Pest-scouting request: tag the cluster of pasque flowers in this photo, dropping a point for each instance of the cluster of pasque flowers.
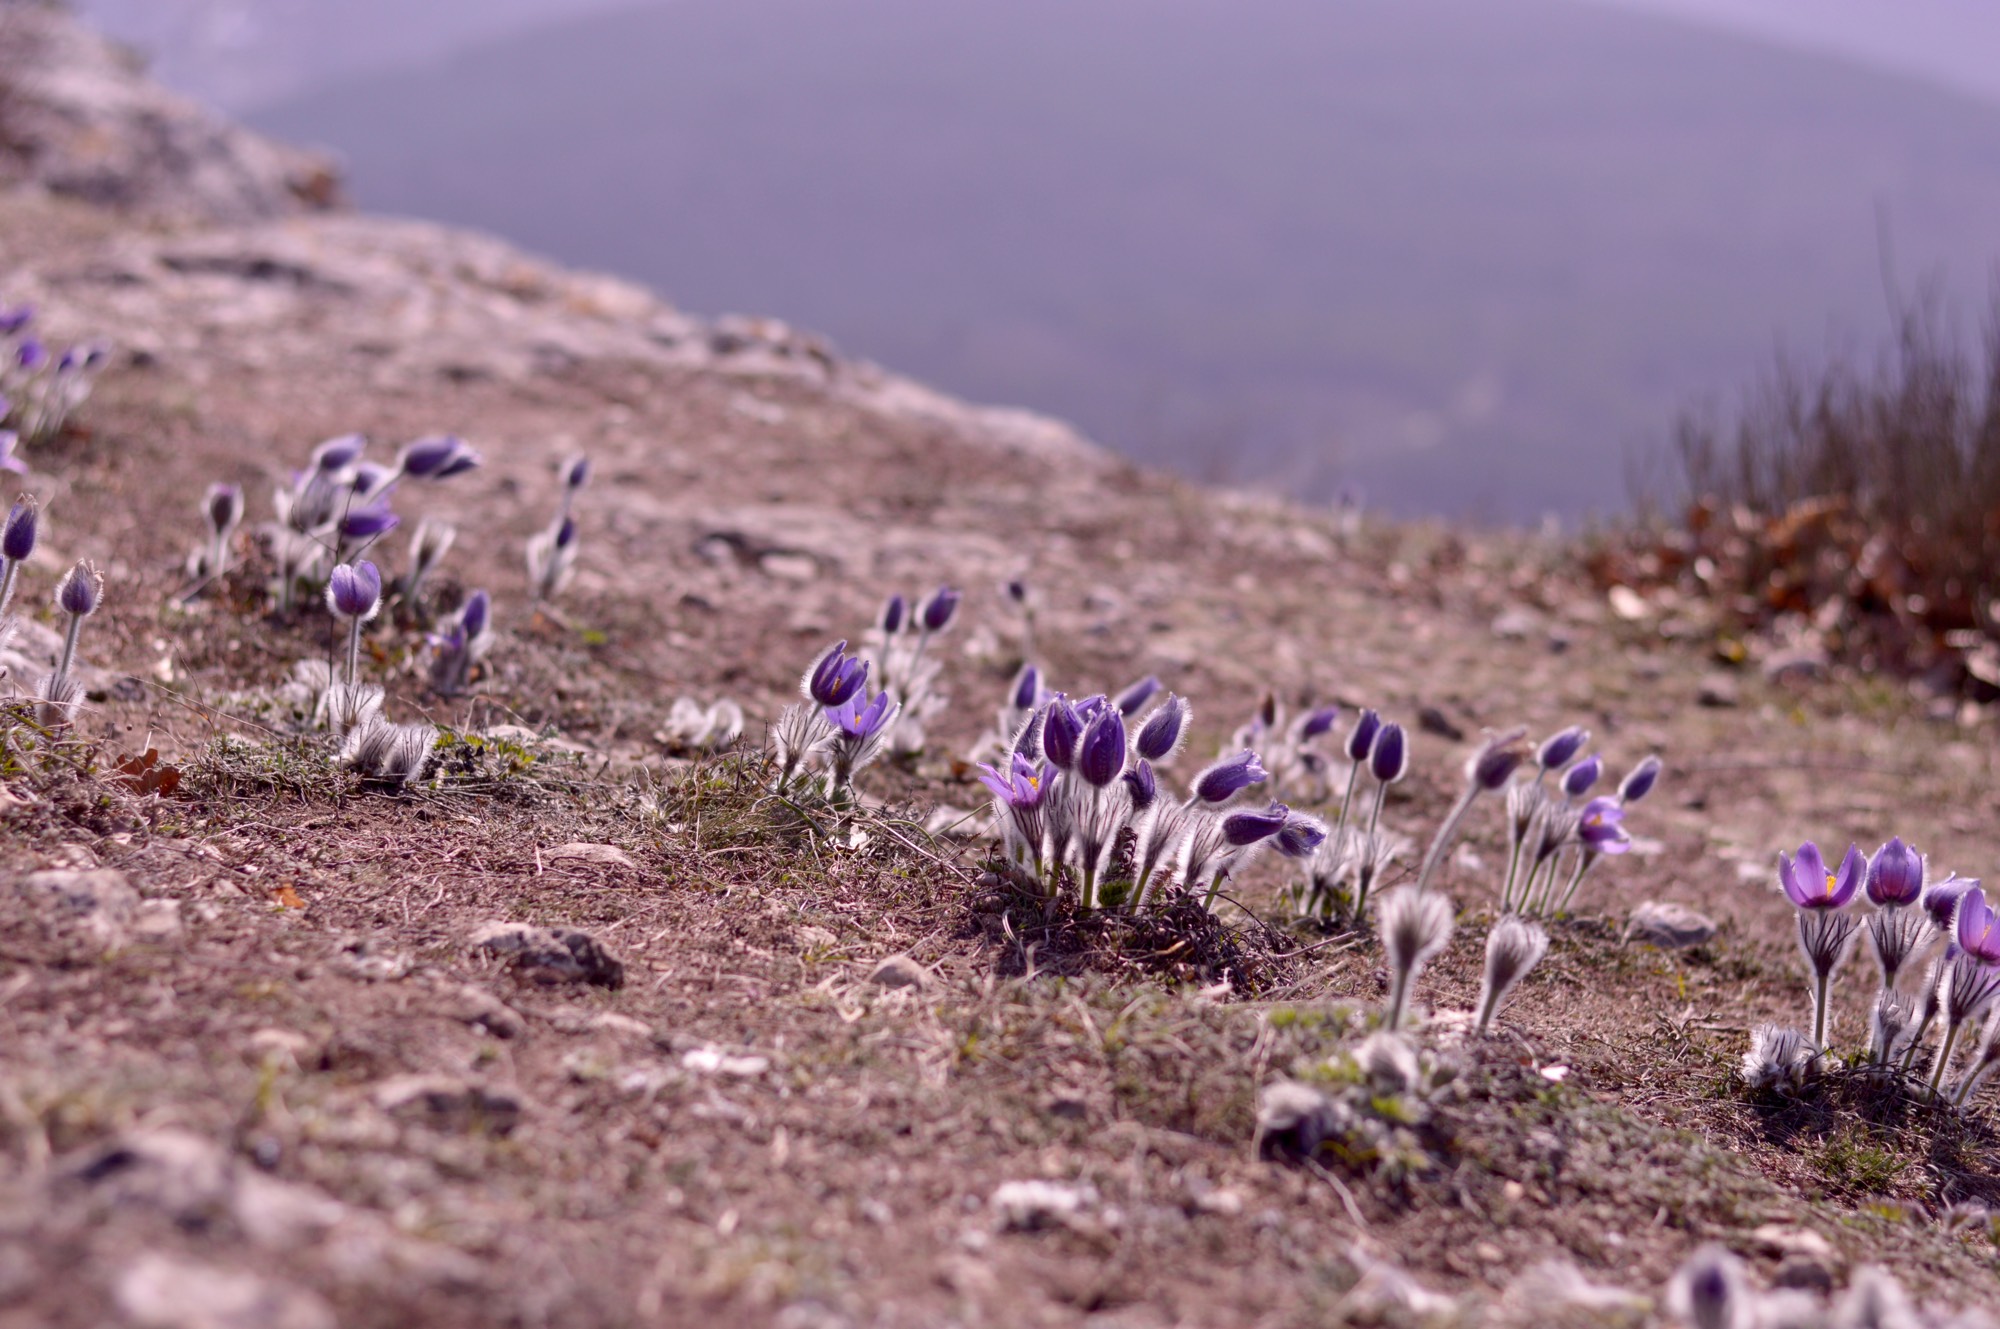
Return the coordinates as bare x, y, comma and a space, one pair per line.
1081, 808
57, 694
841, 726
897, 650
375, 748
38, 390
1913, 917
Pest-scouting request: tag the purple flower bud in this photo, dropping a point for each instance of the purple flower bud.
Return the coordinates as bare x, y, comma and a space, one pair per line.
1978, 928
1361, 738
355, 590
576, 473
472, 617
371, 480
368, 523
1131, 699
80, 591
940, 609
1017, 591
836, 679
1300, 835
1895, 875
1317, 722
1940, 899
18, 540
1143, 785
437, 457
13, 320
892, 615
1389, 755
71, 360
224, 507
337, 454
1560, 748
566, 533
1091, 707
1061, 728
1100, 756
1640, 781
1225, 779
1027, 688
1161, 734
32, 355
1578, 779
1497, 759
1247, 828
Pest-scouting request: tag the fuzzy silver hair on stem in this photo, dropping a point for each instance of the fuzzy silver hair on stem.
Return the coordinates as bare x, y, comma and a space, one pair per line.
1414, 926
552, 559
77, 595
391, 754
222, 513
1513, 948
1892, 1022
1778, 1059
1985, 1059
1488, 770
429, 543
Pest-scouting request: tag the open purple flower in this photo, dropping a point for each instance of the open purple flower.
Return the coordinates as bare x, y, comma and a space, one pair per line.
1100, 757
857, 721
1227, 778
940, 609
1978, 928
1895, 875
1809, 885
1061, 728
1601, 828
1161, 734
1245, 828
836, 679
1020, 786
1131, 699
437, 457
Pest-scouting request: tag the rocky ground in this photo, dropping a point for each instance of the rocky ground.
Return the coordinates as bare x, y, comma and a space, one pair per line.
266, 1056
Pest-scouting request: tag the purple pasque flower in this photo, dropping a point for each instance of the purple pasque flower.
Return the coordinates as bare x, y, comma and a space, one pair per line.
355, 590
1361, 738
836, 679
893, 613
1225, 779
940, 609
1142, 784
1160, 736
576, 473
17, 540
1578, 779
1316, 722
1809, 885
1027, 688
1941, 898
1493, 764
1389, 754
13, 320
437, 458
337, 454
1601, 827
1248, 827
223, 507
1100, 754
1061, 728
369, 522
473, 615
1978, 928
32, 354
1020, 786
1132, 698
80, 591
857, 721
1639, 781
1560, 748
1895, 875
1300, 836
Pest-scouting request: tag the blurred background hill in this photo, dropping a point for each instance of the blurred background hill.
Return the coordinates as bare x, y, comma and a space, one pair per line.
1460, 256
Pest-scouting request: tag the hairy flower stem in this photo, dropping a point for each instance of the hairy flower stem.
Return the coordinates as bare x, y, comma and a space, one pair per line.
9, 570
1821, 984
70, 635
1441, 842
1353, 779
1951, 1029
1513, 871
1399, 997
1585, 861
353, 651
1214, 888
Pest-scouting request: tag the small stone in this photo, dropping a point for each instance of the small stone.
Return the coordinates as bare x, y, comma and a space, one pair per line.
1804, 1273
450, 1105
176, 1173
714, 1061
552, 955
1668, 925
474, 1005
579, 851
1516, 624
165, 1292
157, 920
1030, 1206
1718, 691
899, 971
795, 568
1628, 604
100, 899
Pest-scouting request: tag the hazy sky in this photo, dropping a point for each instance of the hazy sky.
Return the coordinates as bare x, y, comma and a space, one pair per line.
238, 53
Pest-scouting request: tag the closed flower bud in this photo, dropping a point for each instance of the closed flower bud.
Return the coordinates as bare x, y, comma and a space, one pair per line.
1560, 748
368, 523
1300, 836
1227, 778
337, 454
1132, 698
1640, 781
355, 590
893, 613
1247, 828
576, 473
223, 508
1061, 728
1027, 688
1101, 751
437, 458
1497, 759
1895, 875
1160, 736
473, 617
1318, 722
1142, 785
1578, 779
1389, 756
940, 609
1361, 738
18, 539
80, 591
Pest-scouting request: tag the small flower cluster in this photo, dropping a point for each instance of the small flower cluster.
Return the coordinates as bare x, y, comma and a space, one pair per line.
1080, 807
896, 648
377, 749
39, 391
336, 508
1544, 825
1912, 915
57, 694
552, 550
820, 744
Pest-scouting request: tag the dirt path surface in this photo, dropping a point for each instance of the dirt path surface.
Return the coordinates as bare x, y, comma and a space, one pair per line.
256, 1066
